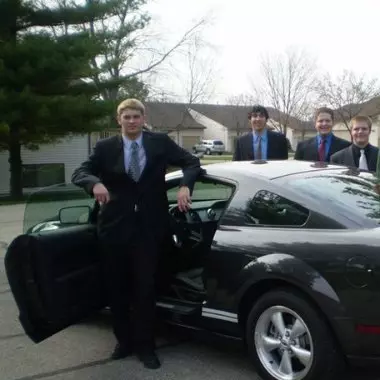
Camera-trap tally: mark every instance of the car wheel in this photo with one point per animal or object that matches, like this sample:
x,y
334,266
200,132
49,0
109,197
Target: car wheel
x,y
220,153
208,151
288,339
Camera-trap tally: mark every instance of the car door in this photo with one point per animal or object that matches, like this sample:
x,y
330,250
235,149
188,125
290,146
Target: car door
x,y
54,268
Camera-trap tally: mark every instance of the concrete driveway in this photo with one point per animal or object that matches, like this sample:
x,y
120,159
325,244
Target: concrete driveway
x,y
11,218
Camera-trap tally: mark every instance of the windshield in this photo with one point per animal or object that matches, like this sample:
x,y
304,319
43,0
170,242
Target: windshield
x,y
351,193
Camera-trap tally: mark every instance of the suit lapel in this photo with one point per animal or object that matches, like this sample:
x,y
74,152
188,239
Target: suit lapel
x,y
119,161
349,157
149,148
248,147
270,143
334,147
313,149
372,159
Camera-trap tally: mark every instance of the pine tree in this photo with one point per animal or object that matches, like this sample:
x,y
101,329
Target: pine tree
x,y
45,93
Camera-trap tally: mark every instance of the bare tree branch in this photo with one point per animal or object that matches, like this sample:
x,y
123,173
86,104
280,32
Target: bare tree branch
x,y
346,94
287,85
241,101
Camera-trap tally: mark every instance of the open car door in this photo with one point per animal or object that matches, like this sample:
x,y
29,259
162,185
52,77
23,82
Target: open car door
x,y
54,267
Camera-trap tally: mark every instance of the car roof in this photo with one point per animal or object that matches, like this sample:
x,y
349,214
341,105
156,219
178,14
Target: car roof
x,y
266,169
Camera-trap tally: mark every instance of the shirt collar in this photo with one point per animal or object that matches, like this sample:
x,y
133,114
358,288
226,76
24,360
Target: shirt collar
x,y
128,142
263,136
327,138
358,149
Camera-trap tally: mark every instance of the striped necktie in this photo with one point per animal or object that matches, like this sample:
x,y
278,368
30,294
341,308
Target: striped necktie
x,y
134,165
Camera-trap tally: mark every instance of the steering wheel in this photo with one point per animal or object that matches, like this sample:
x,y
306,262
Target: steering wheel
x,y
186,227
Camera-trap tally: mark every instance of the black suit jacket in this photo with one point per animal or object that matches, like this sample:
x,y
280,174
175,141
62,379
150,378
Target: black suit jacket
x,y
277,147
346,157
308,150
140,207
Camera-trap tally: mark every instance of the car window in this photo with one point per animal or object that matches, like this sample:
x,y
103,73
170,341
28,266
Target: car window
x,y
218,142
346,193
267,208
43,206
204,190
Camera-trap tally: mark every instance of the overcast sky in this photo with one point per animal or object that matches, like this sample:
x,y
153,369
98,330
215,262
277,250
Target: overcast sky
x,y
339,34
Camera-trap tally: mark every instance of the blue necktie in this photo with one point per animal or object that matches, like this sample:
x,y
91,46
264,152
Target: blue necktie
x,y
134,165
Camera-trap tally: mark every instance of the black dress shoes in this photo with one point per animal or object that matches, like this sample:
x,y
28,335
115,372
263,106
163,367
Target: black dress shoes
x,y
121,352
149,359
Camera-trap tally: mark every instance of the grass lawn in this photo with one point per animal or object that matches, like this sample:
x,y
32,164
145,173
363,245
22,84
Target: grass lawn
x,y
205,160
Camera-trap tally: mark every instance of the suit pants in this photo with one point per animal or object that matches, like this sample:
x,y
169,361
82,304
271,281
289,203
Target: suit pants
x,y
130,270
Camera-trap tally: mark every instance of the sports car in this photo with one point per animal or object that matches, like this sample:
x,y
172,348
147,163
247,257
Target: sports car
x,y
283,255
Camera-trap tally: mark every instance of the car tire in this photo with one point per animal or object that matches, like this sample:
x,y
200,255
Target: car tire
x,y
321,358
220,153
208,152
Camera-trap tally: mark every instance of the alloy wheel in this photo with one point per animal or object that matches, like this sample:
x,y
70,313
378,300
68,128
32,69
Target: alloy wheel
x,y
283,343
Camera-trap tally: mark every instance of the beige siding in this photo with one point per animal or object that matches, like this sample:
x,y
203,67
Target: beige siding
x,y
214,130
71,152
189,141
187,138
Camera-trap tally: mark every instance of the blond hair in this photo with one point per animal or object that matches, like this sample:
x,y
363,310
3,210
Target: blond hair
x,y
363,118
133,104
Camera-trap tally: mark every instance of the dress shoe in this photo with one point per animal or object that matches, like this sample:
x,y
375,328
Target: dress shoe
x,y
149,359
121,352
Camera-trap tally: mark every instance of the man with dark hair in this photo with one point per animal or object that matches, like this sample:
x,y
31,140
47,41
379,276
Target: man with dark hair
x,y
261,143
321,147
360,154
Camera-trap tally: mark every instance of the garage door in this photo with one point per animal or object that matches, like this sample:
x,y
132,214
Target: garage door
x,y
189,141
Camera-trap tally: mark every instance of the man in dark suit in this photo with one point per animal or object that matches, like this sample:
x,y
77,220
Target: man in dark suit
x,y
261,143
321,147
126,175
360,154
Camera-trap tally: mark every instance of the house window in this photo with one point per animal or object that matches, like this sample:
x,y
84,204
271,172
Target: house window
x,y
41,175
270,209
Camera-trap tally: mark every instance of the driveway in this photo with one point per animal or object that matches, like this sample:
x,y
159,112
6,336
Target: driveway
x,y
11,218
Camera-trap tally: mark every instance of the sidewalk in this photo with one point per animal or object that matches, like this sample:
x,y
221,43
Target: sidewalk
x,y
11,221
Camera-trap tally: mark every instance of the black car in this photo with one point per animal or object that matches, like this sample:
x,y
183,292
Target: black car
x,y
284,255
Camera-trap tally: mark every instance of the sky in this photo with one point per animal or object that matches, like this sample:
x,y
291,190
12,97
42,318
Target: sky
x,y
337,34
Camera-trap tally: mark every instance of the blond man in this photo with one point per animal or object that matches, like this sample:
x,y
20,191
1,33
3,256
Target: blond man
x,y
360,154
126,175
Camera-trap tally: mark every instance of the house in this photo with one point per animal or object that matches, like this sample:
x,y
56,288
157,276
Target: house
x,y
171,118
50,164
227,122
185,124
370,108
54,163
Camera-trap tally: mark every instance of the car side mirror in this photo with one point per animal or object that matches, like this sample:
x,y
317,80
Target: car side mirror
x,y
74,215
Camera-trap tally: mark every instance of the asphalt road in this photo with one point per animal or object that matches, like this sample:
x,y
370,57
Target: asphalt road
x,y
81,352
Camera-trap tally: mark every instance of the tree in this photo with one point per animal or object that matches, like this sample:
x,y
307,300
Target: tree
x,y
199,77
45,93
287,85
347,93
241,104
126,39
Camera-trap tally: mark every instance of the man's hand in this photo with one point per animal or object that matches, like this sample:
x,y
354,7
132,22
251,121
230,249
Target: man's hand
x,y
101,193
183,198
